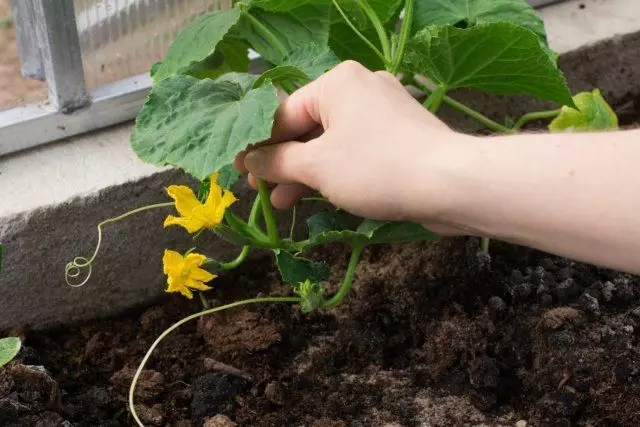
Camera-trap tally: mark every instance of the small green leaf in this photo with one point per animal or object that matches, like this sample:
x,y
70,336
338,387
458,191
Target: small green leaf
x,y
201,125
282,73
467,13
198,41
297,27
282,5
593,114
499,57
384,9
9,348
313,59
295,270
244,80
311,294
347,45
327,227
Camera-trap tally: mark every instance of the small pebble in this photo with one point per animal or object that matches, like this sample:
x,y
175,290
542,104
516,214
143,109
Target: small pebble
x,y
521,423
628,329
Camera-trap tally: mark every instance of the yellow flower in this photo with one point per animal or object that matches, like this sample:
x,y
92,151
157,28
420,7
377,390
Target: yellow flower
x,y
194,215
184,273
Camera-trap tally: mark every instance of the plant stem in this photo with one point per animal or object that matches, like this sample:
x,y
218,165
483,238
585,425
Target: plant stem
x,y
358,33
267,212
490,124
348,279
74,268
405,32
255,212
434,101
265,32
203,300
293,222
377,25
484,244
538,115
236,262
136,377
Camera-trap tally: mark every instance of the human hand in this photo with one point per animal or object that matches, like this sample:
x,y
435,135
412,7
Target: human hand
x,y
369,147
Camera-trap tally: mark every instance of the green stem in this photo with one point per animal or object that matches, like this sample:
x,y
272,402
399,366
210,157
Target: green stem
x,y
267,212
203,300
434,101
348,279
255,212
405,33
358,33
377,25
484,244
74,268
288,87
293,222
538,115
265,32
236,262
136,377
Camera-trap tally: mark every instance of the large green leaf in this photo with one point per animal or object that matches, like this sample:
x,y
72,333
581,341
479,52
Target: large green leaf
x,y
297,27
198,41
593,113
467,13
347,45
384,9
231,55
313,59
283,5
201,125
499,57
9,348
296,270
326,227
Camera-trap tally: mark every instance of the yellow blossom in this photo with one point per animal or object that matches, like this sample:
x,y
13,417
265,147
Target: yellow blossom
x,y
184,273
195,215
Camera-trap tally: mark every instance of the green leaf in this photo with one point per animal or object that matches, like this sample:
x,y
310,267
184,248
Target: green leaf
x,y
201,125
244,80
593,114
327,227
283,73
295,270
313,59
384,9
231,55
297,27
499,57
467,13
9,348
198,41
347,45
282,5
228,176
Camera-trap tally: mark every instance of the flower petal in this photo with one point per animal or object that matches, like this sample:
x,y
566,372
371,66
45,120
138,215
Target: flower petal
x,y
172,261
185,199
192,224
196,284
201,275
194,260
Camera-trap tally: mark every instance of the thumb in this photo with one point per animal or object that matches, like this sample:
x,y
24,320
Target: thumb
x,y
284,163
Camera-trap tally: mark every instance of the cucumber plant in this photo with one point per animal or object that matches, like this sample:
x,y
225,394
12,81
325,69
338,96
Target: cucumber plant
x,y
205,107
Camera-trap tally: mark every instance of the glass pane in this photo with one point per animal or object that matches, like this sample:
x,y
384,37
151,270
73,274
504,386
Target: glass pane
x,y
122,38
15,90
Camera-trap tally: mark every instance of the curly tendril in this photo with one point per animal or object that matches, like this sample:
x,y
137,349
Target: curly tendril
x,y
73,271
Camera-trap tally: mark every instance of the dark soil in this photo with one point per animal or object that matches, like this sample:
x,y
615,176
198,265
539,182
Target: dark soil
x,y
433,334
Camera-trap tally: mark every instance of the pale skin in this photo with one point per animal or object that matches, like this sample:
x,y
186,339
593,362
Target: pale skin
x,y
373,150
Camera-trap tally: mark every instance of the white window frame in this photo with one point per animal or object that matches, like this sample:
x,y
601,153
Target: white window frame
x,y
49,45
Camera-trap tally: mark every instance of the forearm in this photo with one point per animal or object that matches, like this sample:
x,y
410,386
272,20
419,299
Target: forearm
x,y
576,195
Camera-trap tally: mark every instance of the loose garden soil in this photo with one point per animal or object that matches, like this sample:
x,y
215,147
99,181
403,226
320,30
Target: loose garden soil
x,y
432,334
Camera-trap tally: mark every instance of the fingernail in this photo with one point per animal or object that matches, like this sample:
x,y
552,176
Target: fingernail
x,y
255,160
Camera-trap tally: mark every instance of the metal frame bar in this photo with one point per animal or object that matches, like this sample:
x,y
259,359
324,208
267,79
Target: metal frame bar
x,y
33,125
30,57
57,34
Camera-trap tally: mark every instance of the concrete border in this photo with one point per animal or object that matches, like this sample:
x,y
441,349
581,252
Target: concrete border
x,y
53,197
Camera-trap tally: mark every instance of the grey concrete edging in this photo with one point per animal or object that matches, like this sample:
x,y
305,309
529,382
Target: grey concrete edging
x,y
42,239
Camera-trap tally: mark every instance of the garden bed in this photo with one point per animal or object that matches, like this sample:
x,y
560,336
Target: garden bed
x,y
433,334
